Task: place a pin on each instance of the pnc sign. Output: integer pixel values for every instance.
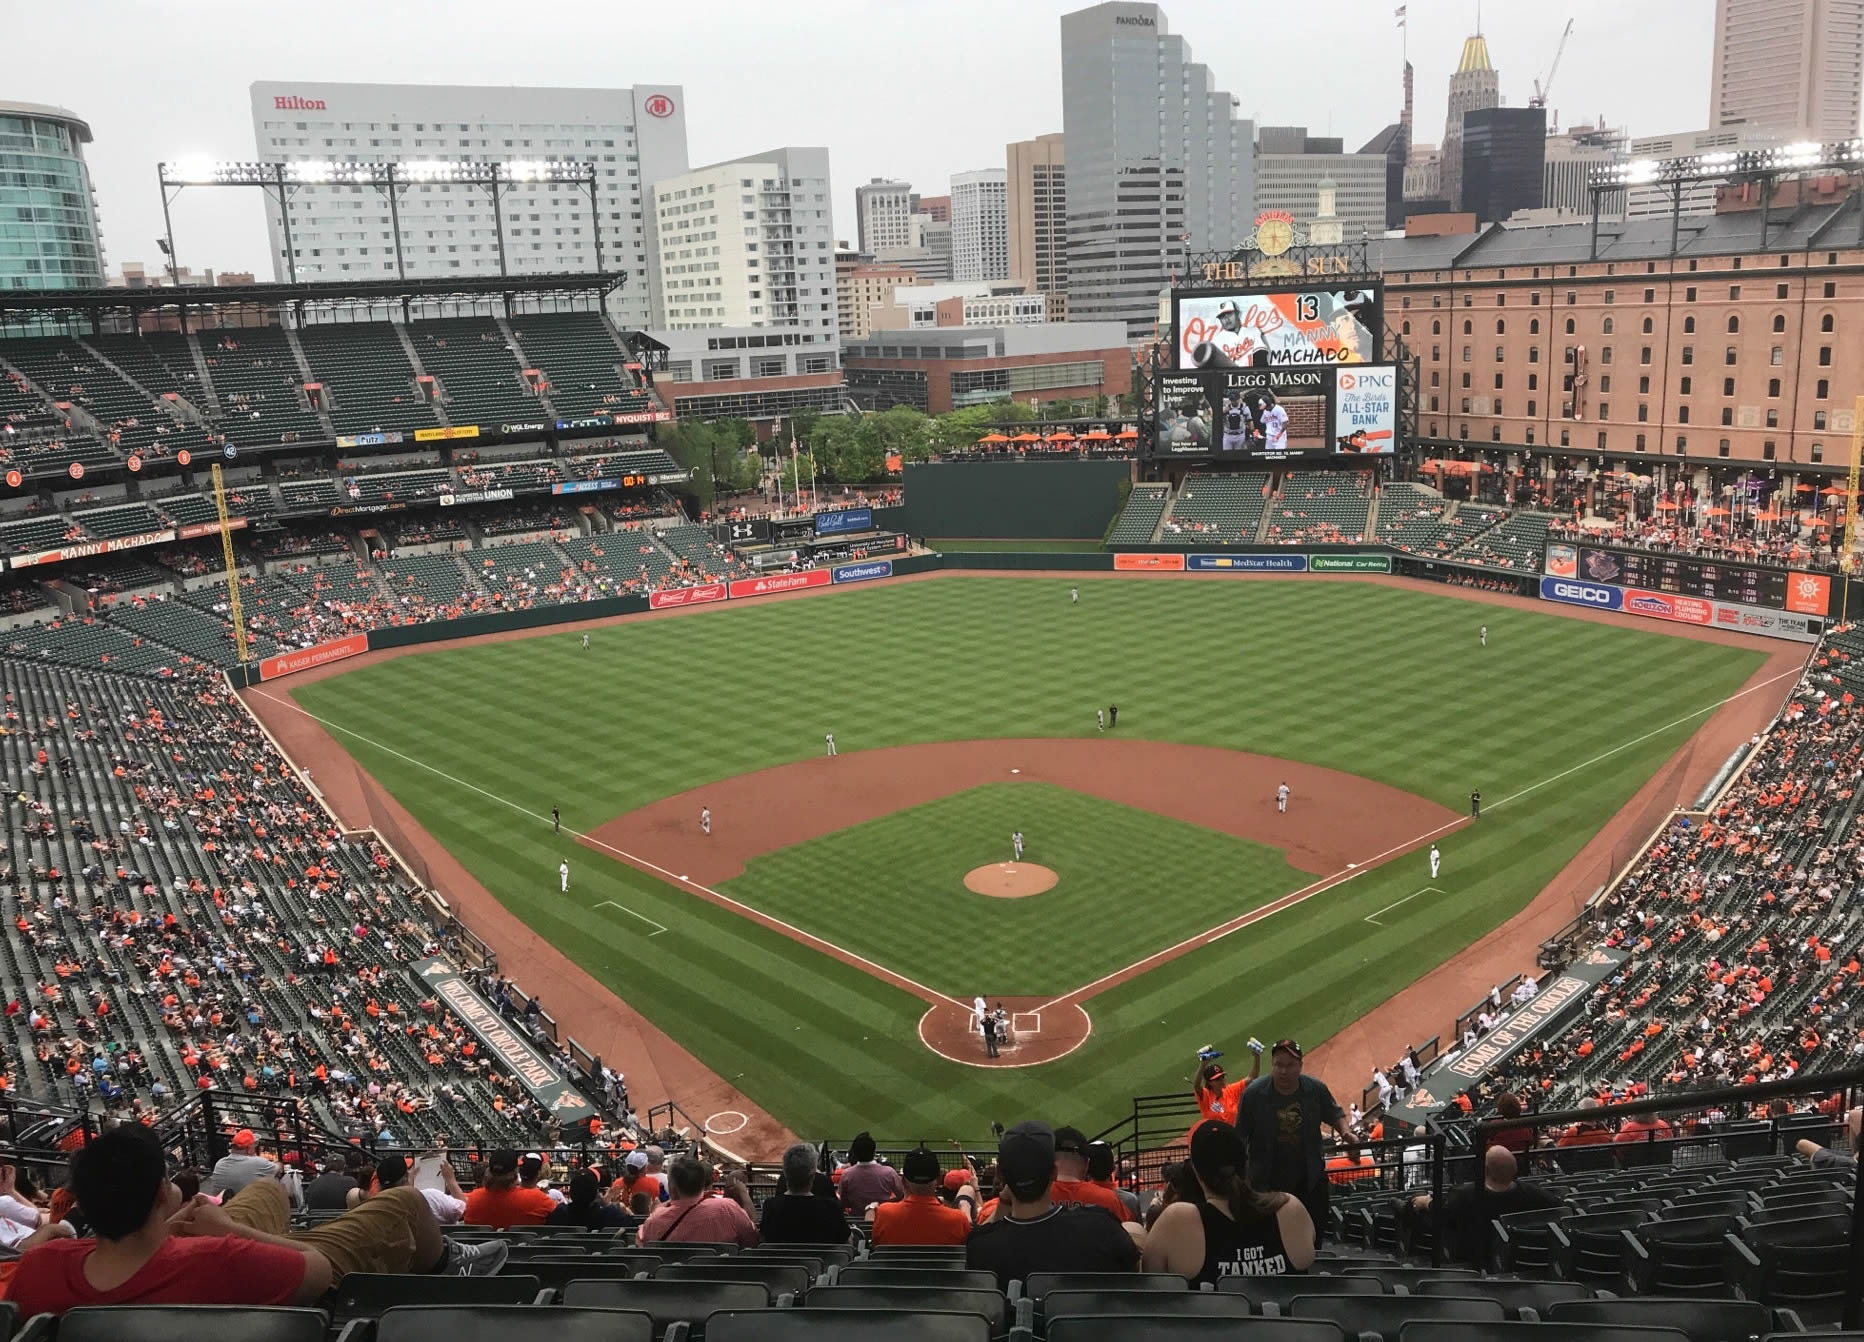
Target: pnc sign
(658, 104)
(291, 102)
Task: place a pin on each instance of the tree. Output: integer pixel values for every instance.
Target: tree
(700, 448)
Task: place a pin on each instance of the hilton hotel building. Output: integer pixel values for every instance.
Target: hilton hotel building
(634, 136)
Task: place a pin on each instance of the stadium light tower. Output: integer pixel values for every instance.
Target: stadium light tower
(281, 178)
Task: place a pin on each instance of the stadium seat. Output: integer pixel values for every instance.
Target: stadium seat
(1682, 1255)
(1151, 1304)
(556, 1273)
(1702, 1320)
(1274, 1293)
(668, 1302)
(825, 1254)
(1450, 1331)
(875, 1272)
(511, 1323)
(1524, 1240)
(682, 1251)
(779, 1277)
(988, 1302)
(1040, 1284)
(1804, 1265)
(882, 1252)
(853, 1325)
(365, 1295)
(547, 1249)
(191, 1323)
(1386, 1314)
(1190, 1328)
(1513, 1296)
(1393, 1278)
(1590, 1248)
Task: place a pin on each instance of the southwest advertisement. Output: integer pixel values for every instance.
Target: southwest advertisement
(1264, 328)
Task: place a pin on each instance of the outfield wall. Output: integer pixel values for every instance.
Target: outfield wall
(1040, 500)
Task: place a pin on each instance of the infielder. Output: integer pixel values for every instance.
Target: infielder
(830, 738)
(1281, 799)
(563, 874)
(1485, 636)
(1275, 426)
(1436, 860)
(1236, 425)
(1100, 719)
(556, 821)
(1016, 842)
(1475, 804)
(705, 820)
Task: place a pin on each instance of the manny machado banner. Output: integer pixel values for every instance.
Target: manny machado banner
(511, 1046)
(1460, 1069)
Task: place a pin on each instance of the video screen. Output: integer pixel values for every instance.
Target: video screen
(1277, 327)
(1278, 414)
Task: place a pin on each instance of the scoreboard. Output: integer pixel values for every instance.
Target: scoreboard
(1697, 576)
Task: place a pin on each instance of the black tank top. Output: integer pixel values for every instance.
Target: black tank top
(1249, 1246)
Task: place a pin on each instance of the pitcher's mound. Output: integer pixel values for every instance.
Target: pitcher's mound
(1009, 880)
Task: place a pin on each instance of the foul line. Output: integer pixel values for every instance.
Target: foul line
(611, 904)
(674, 878)
(1373, 917)
(1356, 869)
(1347, 873)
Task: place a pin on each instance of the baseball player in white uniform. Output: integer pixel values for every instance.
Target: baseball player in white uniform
(1485, 636)
(585, 642)
(979, 1009)
(705, 820)
(1074, 596)
(1281, 798)
(830, 738)
(1100, 719)
(563, 874)
(1016, 842)
(1275, 424)
(1436, 861)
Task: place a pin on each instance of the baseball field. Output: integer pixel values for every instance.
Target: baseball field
(820, 948)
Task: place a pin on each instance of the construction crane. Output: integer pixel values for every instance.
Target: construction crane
(1542, 90)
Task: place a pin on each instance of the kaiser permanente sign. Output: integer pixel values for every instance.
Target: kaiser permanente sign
(516, 1052)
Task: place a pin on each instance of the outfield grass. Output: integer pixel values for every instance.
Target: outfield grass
(1359, 677)
(1156, 879)
(976, 546)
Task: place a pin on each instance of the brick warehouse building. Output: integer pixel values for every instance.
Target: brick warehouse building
(1724, 346)
(947, 368)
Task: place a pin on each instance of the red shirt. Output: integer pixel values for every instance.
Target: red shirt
(209, 1270)
(1093, 1195)
(503, 1208)
(919, 1219)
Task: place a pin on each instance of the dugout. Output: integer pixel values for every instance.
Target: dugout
(1043, 500)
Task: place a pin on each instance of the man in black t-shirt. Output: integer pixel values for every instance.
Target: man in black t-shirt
(1469, 1212)
(1280, 1116)
(330, 1190)
(1030, 1233)
(801, 1214)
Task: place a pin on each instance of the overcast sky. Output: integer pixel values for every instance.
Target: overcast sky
(915, 89)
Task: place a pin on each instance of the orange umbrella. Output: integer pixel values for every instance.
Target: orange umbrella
(1027, 438)
(1717, 511)
(1664, 505)
(993, 438)
(1766, 515)
(1127, 434)
(1061, 436)
(1833, 492)
(1096, 436)
(1802, 488)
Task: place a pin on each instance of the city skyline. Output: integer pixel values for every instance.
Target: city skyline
(206, 112)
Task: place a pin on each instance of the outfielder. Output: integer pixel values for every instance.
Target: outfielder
(585, 642)
(1236, 425)
(1485, 636)
(705, 820)
(563, 874)
(1074, 596)
(830, 738)
(1436, 861)
(1016, 842)
(1281, 799)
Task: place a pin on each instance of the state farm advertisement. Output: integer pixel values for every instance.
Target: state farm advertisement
(781, 582)
(290, 663)
(686, 596)
(1269, 329)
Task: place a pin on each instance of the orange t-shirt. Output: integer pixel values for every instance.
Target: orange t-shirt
(626, 1188)
(1092, 1195)
(502, 1208)
(919, 1219)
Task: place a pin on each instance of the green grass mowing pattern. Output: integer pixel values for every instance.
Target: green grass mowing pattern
(1165, 880)
(1386, 683)
(976, 545)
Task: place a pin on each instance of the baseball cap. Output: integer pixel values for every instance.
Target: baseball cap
(920, 1166)
(637, 1160)
(1100, 1161)
(1227, 305)
(1026, 1153)
(531, 1166)
(244, 1140)
(502, 1162)
(1215, 1148)
(956, 1179)
(391, 1170)
(1070, 1140)
(1286, 1046)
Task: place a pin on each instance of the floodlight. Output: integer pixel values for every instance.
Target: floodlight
(193, 168)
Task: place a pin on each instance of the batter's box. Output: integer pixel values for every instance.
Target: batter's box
(1026, 1023)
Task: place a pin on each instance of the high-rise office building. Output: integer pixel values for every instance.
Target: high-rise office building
(883, 213)
(1038, 217)
(1504, 149)
(633, 136)
(1476, 84)
(1694, 197)
(1291, 165)
(1791, 66)
(1159, 164)
(748, 242)
(935, 208)
(980, 231)
(52, 238)
(1572, 157)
